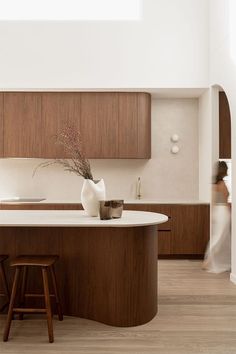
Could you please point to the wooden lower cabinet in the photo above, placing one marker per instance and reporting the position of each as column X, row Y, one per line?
column 164, row 241
column 187, row 231
column 191, row 229
column 184, row 235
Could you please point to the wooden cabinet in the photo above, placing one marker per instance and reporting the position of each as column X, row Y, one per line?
column 22, row 124
column 187, row 231
column 99, row 124
column 1, row 124
column 191, row 224
column 134, row 125
column 224, row 127
column 112, row 124
column 58, row 109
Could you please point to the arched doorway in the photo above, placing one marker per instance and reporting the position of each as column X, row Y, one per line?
column 221, row 140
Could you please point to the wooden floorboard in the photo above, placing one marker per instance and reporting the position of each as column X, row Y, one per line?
column 197, row 314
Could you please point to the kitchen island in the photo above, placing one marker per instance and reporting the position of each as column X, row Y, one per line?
column 107, row 269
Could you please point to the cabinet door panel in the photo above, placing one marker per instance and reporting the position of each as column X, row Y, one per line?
column 99, row 124
column 1, row 124
column 128, row 125
column 58, row 110
column 164, row 241
column 144, row 126
column 134, row 125
column 190, row 229
column 22, row 124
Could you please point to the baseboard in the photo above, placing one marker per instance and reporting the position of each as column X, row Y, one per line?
column 180, row 256
column 233, row 278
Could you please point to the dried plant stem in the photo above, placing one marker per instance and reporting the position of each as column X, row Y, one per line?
column 70, row 139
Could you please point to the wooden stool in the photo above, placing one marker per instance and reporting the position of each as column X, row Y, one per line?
column 46, row 263
column 4, row 281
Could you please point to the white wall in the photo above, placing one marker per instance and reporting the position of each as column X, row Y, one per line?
column 168, row 48
column 164, row 177
column 223, row 73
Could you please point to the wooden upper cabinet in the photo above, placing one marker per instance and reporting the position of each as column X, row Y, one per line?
column 144, row 126
column 134, row 125
column 112, row 124
column 128, row 125
column 224, row 127
column 22, row 124
column 1, row 124
column 99, row 124
column 58, row 110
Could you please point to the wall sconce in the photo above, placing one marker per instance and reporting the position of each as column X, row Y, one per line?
column 175, row 149
column 174, row 138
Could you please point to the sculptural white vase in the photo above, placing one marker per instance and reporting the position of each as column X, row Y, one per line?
column 91, row 193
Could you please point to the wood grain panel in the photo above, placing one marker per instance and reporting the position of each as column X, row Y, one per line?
column 99, row 124
column 144, row 126
column 224, row 127
column 58, row 110
column 105, row 274
column 22, row 124
column 138, row 207
column 134, row 125
column 1, row 124
column 164, row 241
column 191, row 225
column 128, row 125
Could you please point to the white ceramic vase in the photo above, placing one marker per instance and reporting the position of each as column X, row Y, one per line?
column 91, row 193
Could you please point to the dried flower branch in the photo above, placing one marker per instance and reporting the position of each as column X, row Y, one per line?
column 71, row 140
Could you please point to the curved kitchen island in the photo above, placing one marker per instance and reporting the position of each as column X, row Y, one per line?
column 107, row 269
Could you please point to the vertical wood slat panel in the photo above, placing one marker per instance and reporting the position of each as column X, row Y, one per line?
column 112, row 124
column 104, row 274
column 99, row 124
column 1, row 126
column 128, row 125
column 22, row 124
column 191, row 225
column 144, row 126
column 59, row 109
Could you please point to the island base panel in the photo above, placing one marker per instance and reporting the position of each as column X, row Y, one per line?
column 104, row 274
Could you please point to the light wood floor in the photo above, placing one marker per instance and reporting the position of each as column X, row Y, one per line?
column 197, row 314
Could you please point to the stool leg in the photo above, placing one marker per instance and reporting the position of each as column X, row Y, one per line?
column 47, row 304
column 55, row 287
column 23, row 287
column 11, row 305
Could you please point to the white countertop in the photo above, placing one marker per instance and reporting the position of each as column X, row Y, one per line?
column 128, row 201
column 76, row 218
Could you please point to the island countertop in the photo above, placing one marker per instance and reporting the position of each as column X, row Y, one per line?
column 76, row 218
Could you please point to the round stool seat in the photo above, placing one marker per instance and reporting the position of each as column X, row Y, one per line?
column 38, row 261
